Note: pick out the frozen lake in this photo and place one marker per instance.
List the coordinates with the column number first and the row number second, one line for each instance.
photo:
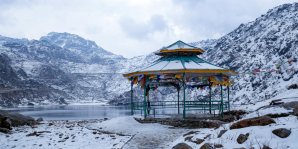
column 73, row 112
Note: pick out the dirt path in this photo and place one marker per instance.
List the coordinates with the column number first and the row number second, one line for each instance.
column 144, row 136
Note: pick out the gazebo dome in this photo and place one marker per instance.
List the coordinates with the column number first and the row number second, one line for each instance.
column 179, row 48
column 181, row 58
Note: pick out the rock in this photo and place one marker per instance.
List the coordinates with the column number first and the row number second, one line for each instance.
column 15, row 119
column 207, row 136
column 221, row 133
column 33, row 134
column 188, row 138
column 242, row 138
column 190, row 133
column 266, row 147
column 185, row 123
column 5, row 122
column 218, row 145
column 230, row 116
column 39, row 119
column 282, row 132
column 30, row 104
column 50, row 124
column 198, row 141
column 291, row 105
column 257, row 121
column 277, row 115
column 182, row 146
column 207, row 146
column 4, row 130
column 295, row 111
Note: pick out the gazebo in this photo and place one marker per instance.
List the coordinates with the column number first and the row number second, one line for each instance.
column 180, row 66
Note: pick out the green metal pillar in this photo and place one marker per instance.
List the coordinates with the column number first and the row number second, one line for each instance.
column 131, row 99
column 228, row 97
column 221, row 100
column 210, row 90
column 145, row 102
column 184, row 112
column 178, row 90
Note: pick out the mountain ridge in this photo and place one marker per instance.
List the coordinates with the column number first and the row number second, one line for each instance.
column 67, row 67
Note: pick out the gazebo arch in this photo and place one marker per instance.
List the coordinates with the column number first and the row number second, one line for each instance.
column 180, row 66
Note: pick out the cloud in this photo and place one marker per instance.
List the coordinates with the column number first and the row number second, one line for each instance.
column 129, row 27
column 142, row 30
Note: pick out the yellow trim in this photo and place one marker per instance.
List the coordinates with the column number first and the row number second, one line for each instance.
column 199, row 71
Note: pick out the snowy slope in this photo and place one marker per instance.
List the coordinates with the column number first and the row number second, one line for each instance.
column 268, row 44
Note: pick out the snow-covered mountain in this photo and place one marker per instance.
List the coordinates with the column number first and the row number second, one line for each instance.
column 264, row 52
column 63, row 66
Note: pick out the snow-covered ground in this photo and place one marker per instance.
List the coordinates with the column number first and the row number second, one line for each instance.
column 121, row 132
column 144, row 136
column 62, row 134
column 126, row 132
column 258, row 135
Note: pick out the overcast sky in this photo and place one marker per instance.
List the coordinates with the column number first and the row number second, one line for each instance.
column 130, row 27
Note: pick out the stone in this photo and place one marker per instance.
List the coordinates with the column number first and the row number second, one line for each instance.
column 282, row 132
column 266, row 147
column 4, row 130
column 39, row 119
column 291, row 105
column 190, row 133
column 198, row 141
column 242, row 138
column 182, row 146
column 256, row 121
column 5, row 122
column 295, row 111
column 221, row 133
column 230, row 116
column 277, row 115
column 207, row 146
column 188, row 138
column 15, row 119
column 218, row 145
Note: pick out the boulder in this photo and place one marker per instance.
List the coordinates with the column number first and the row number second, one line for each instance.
column 257, row 121
column 4, row 130
column 207, row 146
column 295, row 111
column 291, row 105
column 218, row 145
column 190, row 133
column 282, row 132
column 188, row 138
column 5, row 122
column 221, row 133
column 242, row 138
column 230, row 116
column 182, row 146
column 39, row 119
column 9, row 119
column 266, row 147
column 198, row 141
